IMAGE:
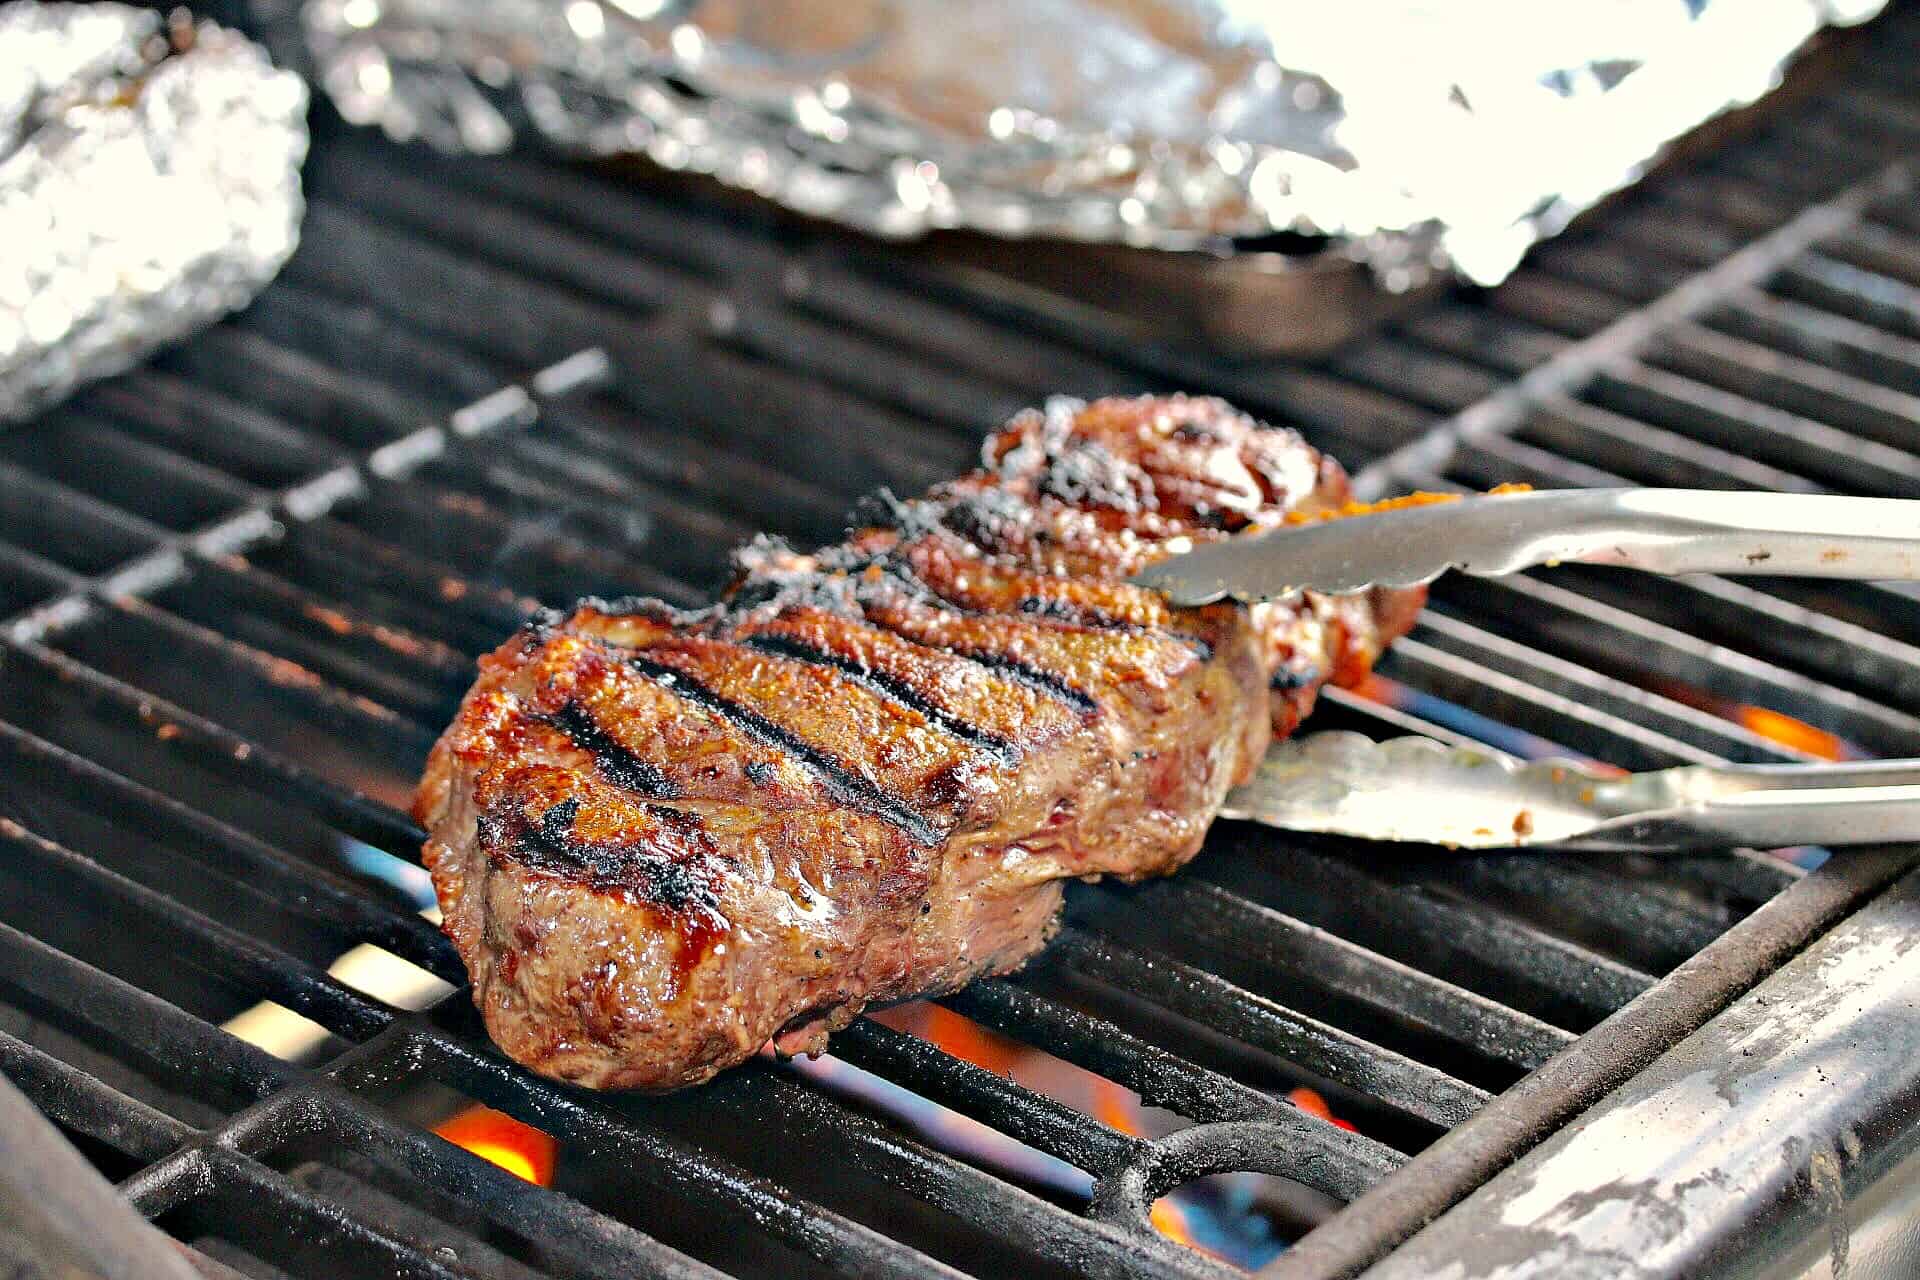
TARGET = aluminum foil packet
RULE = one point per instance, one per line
(1415, 136)
(149, 184)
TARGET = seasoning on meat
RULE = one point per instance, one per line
(661, 838)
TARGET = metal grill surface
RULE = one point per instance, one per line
(243, 588)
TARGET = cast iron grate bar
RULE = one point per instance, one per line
(292, 451)
(1572, 368)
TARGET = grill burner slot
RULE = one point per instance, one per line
(240, 590)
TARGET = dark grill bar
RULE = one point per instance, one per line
(242, 589)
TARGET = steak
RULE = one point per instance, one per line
(662, 839)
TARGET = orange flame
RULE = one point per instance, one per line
(1108, 1102)
(1120, 1109)
(1785, 730)
(498, 1138)
(1315, 1105)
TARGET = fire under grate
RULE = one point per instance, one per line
(243, 589)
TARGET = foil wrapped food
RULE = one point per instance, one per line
(149, 183)
(1414, 136)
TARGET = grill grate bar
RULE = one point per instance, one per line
(948, 337)
(748, 488)
(1625, 1043)
(426, 595)
(1342, 708)
(1700, 737)
(276, 391)
(1590, 628)
(364, 358)
(1417, 374)
(80, 1103)
(1518, 462)
(1612, 907)
(290, 883)
(1329, 1159)
(1615, 270)
(396, 200)
(1751, 208)
(238, 587)
(1278, 951)
(1821, 336)
(660, 535)
(1680, 235)
(150, 628)
(602, 1125)
(1562, 307)
(289, 1124)
(171, 1044)
(50, 514)
(167, 488)
(219, 428)
(1402, 1083)
(1480, 334)
(222, 952)
(225, 752)
(1554, 978)
(1508, 408)
(1596, 733)
(1626, 446)
(964, 403)
(1864, 409)
(681, 241)
(1033, 1118)
(245, 1197)
(563, 1231)
(1854, 292)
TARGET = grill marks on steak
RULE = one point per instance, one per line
(660, 839)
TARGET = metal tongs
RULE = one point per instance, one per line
(1418, 790)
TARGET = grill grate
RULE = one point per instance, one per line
(243, 588)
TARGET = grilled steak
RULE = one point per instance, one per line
(661, 838)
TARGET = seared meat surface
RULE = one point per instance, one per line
(661, 839)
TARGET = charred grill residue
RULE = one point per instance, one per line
(664, 873)
(616, 763)
(842, 783)
(889, 687)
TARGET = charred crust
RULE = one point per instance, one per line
(1095, 619)
(615, 762)
(541, 626)
(776, 591)
(990, 520)
(1087, 474)
(676, 877)
(1061, 611)
(1034, 678)
(890, 687)
(1287, 679)
(758, 772)
(878, 510)
(650, 609)
(760, 552)
(841, 782)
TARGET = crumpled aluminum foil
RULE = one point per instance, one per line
(149, 183)
(1416, 135)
